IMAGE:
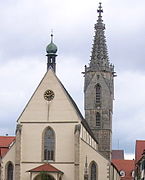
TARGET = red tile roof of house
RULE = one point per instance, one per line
(5, 142)
(117, 154)
(126, 165)
(45, 168)
(140, 146)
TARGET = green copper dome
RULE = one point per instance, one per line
(51, 48)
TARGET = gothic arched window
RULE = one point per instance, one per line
(98, 93)
(93, 171)
(49, 144)
(98, 119)
(10, 171)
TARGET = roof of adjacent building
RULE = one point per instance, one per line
(45, 168)
(117, 154)
(125, 165)
(5, 142)
(140, 147)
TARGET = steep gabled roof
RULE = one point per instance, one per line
(83, 121)
(5, 142)
(125, 165)
(140, 146)
(45, 168)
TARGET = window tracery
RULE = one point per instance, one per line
(10, 171)
(49, 144)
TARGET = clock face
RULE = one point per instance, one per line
(48, 95)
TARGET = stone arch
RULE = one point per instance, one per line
(9, 171)
(52, 142)
(93, 171)
(44, 176)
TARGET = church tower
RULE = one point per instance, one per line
(99, 90)
(51, 50)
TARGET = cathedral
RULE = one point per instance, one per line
(53, 140)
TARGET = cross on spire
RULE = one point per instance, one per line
(100, 10)
(51, 35)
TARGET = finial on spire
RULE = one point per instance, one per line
(51, 35)
(100, 10)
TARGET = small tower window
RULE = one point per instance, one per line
(98, 119)
(49, 144)
(98, 93)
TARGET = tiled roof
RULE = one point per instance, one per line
(3, 151)
(5, 142)
(45, 168)
(140, 146)
(117, 154)
(126, 165)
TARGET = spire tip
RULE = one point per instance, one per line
(100, 10)
(51, 35)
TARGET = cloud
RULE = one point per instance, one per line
(25, 29)
(129, 156)
(18, 79)
(129, 106)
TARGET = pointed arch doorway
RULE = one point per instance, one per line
(44, 177)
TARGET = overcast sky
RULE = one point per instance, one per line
(25, 27)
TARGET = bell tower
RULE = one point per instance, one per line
(51, 50)
(99, 90)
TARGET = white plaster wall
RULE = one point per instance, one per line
(32, 141)
(61, 115)
(40, 110)
(32, 148)
(93, 155)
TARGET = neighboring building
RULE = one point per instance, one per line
(139, 149)
(117, 154)
(140, 160)
(53, 141)
(5, 144)
(125, 168)
(114, 173)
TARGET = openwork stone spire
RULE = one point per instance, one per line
(99, 90)
(99, 57)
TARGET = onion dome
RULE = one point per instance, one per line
(51, 48)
